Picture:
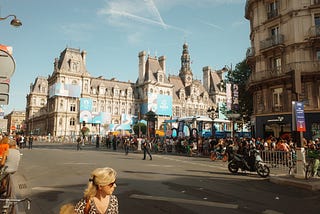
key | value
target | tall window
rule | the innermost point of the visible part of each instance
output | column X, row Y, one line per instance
column 318, row 55
column 73, row 107
column 317, row 24
column 72, row 121
column 275, row 64
column 277, row 97
column 273, row 9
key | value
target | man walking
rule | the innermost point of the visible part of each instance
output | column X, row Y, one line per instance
column 30, row 142
column 146, row 148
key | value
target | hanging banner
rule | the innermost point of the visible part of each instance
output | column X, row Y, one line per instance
column 229, row 96
column 299, row 114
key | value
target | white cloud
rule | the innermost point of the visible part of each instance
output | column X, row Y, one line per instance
column 132, row 13
column 212, row 25
column 77, row 31
column 120, row 12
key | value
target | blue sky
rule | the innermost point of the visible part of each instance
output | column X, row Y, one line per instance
column 113, row 32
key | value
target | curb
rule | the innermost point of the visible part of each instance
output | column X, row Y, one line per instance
column 300, row 183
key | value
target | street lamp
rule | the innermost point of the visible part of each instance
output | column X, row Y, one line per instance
column 14, row 22
column 213, row 114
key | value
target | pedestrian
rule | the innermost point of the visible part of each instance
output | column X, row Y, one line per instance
column 98, row 196
column 30, row 142
column 97, row 141
column 126, row 145
column 146, row 149
column 79, row 143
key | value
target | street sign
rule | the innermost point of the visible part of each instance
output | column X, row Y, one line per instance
column 300, row 121
column 7, row 65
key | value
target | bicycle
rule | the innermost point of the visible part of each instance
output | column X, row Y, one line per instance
column 309, row 168
column 292, row 163
column 9, row 204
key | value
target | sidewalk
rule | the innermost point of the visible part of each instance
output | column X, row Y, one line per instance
column 289, row 180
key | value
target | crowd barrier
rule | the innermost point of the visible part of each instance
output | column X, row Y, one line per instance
column 279, row 161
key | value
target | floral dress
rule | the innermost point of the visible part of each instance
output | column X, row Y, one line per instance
column 112, row 208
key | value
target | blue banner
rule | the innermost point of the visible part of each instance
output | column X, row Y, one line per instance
column 300, row 121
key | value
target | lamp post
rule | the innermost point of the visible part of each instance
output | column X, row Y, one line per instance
column 14, row 22
column 213, row 114
column 232, row 99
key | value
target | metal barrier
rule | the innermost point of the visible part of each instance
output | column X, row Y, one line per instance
column 280, row 162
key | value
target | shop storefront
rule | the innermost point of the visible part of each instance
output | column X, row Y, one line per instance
column 280, row 126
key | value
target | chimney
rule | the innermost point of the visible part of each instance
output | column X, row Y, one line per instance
column 162, row 62
column 206, row 77
column 142, row 66
column 84, row 57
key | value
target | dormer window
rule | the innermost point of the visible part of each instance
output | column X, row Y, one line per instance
column 160, row 78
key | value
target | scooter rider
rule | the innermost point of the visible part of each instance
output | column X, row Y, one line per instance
column 244, row 150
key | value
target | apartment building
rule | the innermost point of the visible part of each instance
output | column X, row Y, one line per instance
column 285, row 61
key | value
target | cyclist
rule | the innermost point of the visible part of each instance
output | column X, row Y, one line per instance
column 314, row 153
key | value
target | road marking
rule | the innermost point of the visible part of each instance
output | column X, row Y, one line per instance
column 74, row 163
column 271, row 212
column 194, row 163
column 186, row 201
column 55, row 189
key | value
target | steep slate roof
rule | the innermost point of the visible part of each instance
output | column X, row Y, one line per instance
column 177, row 83
column 215, row 79
column 152, row 69
column 39, row 81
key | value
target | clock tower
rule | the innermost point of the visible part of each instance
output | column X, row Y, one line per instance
column 185, row 70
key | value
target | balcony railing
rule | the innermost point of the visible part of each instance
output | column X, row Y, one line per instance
column 316, row 2
column 314, row 31
column 304, row 67
column 272, row 41
column 273, row 13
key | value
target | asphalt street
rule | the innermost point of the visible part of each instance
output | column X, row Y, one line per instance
column 52, row 175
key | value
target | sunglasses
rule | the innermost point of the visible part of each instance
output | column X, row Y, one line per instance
column 112, row 184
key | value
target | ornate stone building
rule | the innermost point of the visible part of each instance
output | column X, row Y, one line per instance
column 54, row 103
column 284, row 59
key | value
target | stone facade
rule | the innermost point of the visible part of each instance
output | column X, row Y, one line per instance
column 284, row 59
column 15, row 122
column 58, row 113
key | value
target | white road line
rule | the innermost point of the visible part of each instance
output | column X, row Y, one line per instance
column 271, row 212
column 44, row 189
column 194, row 163
column 186, row 201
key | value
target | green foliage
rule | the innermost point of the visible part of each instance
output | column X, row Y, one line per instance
column 240, row 76
column 143, row 128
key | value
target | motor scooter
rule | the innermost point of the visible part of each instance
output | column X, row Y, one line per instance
column 254, row 163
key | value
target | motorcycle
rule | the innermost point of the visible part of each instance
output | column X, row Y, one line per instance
column 255, row 164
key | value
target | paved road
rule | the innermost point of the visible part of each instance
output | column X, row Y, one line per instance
column 52, row 175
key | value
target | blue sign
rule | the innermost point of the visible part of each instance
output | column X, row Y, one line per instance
column 300, row 121
column 85, row 110
column 164, row 105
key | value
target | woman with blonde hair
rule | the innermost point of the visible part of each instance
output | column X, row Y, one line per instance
column 98, row 197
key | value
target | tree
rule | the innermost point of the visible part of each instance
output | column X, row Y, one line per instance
column 240, row 76
column 143, row 128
